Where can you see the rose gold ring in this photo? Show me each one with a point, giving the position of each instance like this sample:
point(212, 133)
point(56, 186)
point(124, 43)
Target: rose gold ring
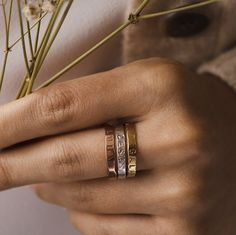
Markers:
point(110, 150)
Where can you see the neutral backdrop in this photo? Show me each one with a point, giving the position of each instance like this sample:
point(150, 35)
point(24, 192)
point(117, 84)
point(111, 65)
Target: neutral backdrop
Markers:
point(21, 213)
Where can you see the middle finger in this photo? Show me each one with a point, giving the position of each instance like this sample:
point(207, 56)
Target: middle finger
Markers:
point(76, 156)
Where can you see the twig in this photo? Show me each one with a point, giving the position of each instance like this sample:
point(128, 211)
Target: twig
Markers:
point(85, 55)
point(133, 18)
point(141, 7)
point(56, 32)
point(6, 47)
point(22, 38)
point(44, 44)
point(25, 33)
point(7, 24)
point(23, 88)
point(37, 35)
point(25, 84)
point(29, 36)
point(178, 9)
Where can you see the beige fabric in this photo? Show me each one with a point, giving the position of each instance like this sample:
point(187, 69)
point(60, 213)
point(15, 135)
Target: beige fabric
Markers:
point(224, 67)
point(213, 50)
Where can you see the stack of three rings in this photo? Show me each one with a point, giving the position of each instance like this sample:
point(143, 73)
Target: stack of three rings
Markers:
point(121, 150)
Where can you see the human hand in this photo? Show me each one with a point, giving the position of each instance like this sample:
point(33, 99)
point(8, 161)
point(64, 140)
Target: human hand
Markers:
point(186, 166)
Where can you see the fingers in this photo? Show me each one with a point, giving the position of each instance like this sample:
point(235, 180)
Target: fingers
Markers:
point(80, 156)
point(70, 157)
point(146, 194)
point(78, 104)
point(90, 224)
point(103, 196)
point(74, 156)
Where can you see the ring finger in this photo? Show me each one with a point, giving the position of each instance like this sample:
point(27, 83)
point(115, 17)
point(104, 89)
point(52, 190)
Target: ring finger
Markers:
point(76, 156)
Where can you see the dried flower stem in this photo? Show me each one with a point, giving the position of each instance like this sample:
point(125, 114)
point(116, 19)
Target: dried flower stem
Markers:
point(3, 69)
point(134, 19)
point(25, 84)
point(7, 41)
point(37, 34)
point(7, 24)
point(25, 33)
point(22, 38)
point(44, 44)
point(141, 7)
point(30, 40)
point(29, 37)
point(85, 55)
point(23, 89)
point(51, 41)
point(179, 9)
point(40, 51)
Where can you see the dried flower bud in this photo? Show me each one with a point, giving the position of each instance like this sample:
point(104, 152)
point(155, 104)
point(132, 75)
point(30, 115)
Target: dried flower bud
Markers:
point(31, 11)
point(48, 6)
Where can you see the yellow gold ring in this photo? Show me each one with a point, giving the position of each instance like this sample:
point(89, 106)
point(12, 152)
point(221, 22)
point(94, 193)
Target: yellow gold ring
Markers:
point(131, 148)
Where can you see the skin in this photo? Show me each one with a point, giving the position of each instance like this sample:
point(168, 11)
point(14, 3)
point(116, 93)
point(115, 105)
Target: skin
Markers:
point(186, 133)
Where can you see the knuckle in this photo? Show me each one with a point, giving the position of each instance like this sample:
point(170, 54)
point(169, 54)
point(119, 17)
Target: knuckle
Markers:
point(83, 198)
point(40, 192)
point(74, 221)
point(102, 228)
point(157, 65)
point(5, 176)
point(165, 73)
point(158, 78)
point(56, 105)
point(68, 161)
point(188, 200)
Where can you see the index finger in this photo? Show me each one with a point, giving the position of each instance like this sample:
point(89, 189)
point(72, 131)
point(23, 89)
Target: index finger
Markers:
point(77, 104)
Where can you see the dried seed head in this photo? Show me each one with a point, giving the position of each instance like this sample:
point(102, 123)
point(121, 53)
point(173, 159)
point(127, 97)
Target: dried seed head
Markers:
point(48, 6)
point(32, 10)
